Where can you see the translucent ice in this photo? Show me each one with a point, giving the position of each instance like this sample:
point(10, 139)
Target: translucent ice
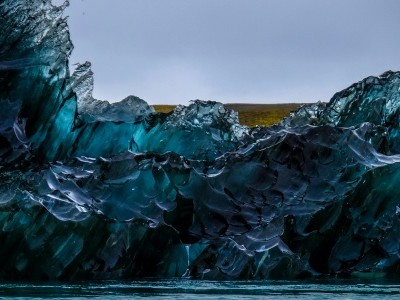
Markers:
point(93, 190)
point(129, 110)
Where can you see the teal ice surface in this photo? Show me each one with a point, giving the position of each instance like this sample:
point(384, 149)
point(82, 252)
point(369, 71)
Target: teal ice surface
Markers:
point(92, 191)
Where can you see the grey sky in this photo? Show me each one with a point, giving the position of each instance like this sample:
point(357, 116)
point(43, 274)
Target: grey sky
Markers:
point(261, 51)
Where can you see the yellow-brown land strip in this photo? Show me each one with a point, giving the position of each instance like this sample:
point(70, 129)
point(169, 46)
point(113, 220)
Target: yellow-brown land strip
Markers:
point(252, 114)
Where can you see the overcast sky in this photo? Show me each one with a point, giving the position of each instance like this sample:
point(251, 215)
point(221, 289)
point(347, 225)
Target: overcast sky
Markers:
point(261, 51)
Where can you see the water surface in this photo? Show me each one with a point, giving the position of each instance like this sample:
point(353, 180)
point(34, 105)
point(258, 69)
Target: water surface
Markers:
point(189, 289)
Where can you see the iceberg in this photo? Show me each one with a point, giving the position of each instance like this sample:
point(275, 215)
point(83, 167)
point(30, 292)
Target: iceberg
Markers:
point(93, 190)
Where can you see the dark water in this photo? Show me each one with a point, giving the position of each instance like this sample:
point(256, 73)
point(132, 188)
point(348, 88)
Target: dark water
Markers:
point(188, 289)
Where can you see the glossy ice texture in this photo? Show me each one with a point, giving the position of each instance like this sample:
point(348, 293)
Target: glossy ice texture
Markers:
point(92, 190)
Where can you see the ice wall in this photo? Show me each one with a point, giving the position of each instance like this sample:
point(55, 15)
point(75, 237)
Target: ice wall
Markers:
point(92, 190)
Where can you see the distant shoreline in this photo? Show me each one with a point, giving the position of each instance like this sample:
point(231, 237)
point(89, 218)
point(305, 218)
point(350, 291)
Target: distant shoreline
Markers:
point(250, 114)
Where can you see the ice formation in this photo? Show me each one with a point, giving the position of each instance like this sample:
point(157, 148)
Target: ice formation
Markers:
point(131, 109)
point(92, 190)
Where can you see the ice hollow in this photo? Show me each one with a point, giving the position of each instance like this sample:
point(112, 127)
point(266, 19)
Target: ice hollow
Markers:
point(93, 190)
